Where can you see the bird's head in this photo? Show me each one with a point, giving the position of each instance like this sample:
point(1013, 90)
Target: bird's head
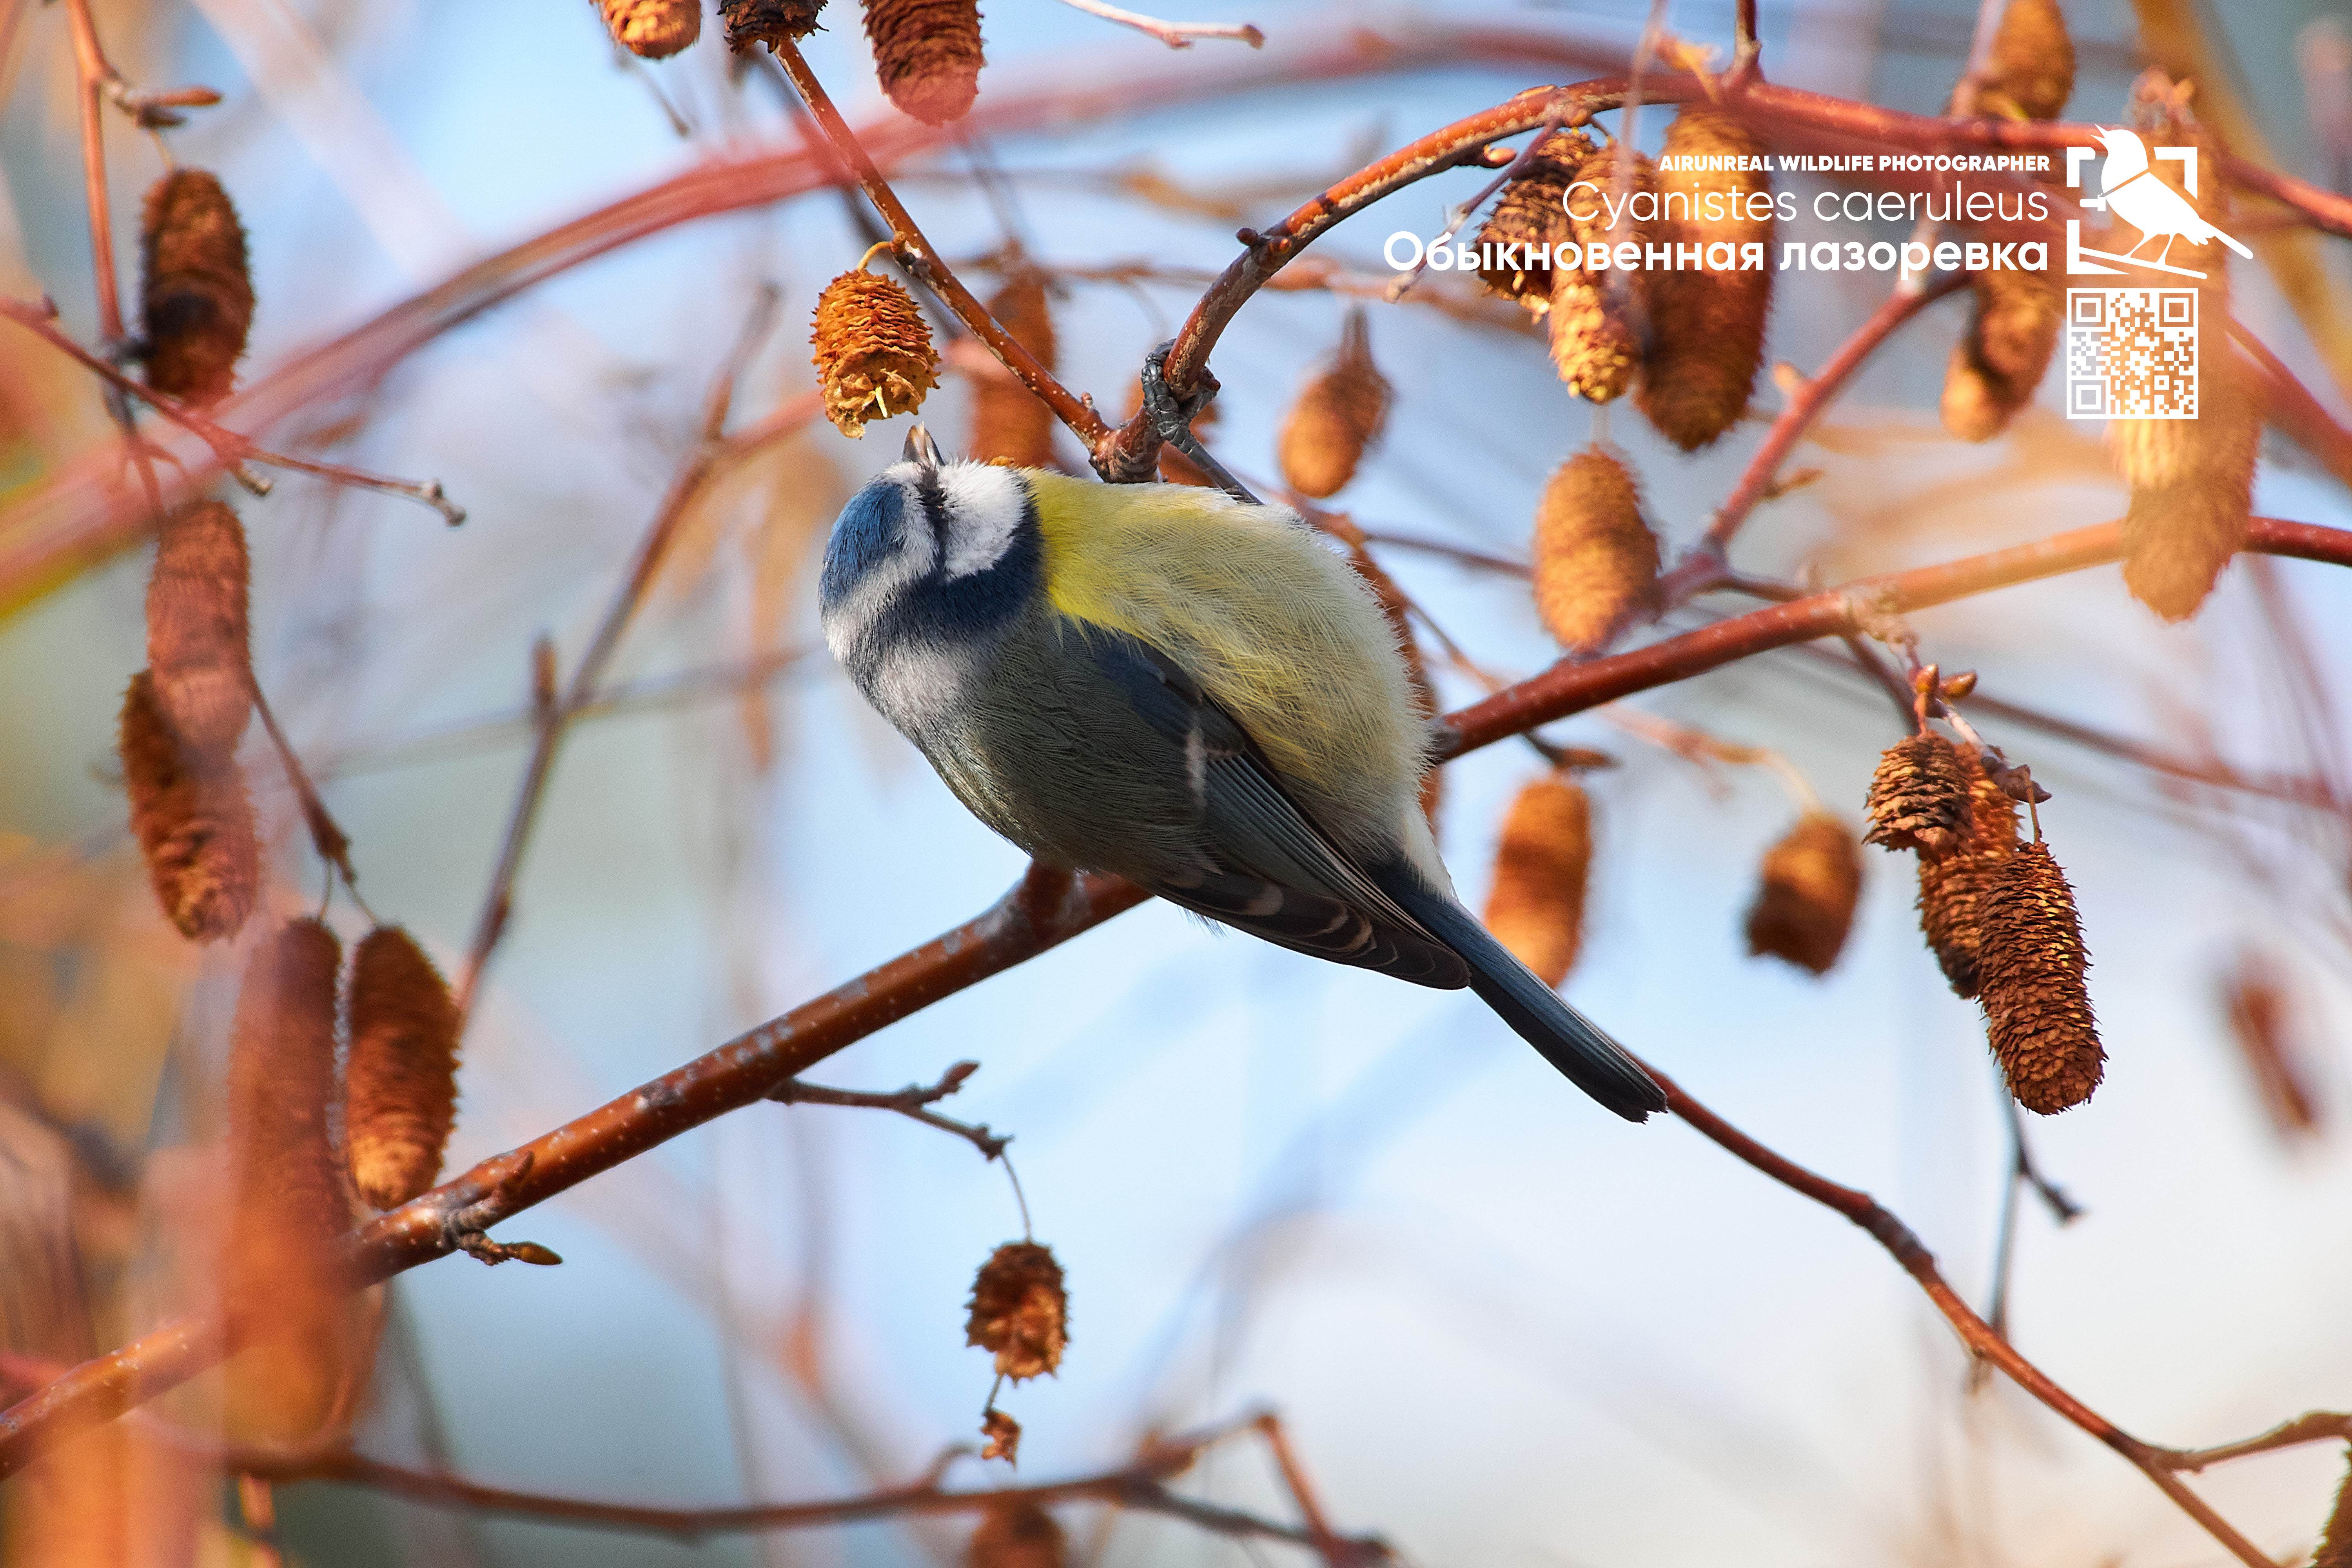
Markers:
point(2126, 153)
point(945, 552)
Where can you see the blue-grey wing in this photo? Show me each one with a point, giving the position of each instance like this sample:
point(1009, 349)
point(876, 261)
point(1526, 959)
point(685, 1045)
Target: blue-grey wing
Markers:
point(1268, 870)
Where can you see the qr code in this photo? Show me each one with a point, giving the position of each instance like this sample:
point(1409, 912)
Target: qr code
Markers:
point(2131, 354)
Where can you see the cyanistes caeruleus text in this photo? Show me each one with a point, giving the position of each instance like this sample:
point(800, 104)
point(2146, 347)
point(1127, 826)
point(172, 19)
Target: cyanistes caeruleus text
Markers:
point(1162, 682)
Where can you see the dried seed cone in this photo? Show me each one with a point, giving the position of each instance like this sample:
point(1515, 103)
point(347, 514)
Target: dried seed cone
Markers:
point(1953, 891)
point(2032, 66)
point(1804, 903)
point(1536, 905)
point(1918, 798)
point(1996, 365)
point(401, 1084)
point(1596, 341)
point(1531, 212)
point(1596, 562)
point(2037, 1008)
point(2335, 1540)
point(1707, 326)
point(769, 22)
point(652, 29)
point(196, 296)
point(287, 1193)
point(1337, 418)
point(2255, 999)
point(927, 54)
point(1009, 424)
point(1015, 1534)
point(194, 826)
point(873, 351)
point(197, 652)
point(1020, 1311)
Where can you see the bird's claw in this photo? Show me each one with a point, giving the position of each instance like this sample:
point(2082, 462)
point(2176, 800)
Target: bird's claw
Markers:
point(1172, 417)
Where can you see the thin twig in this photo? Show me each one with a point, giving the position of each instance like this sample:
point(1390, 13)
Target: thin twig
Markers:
point(1454, 220)
point(914, 1102)
point(1175, 35)
point(1329, 1544)
point(91, 72)
point(2313, 1426)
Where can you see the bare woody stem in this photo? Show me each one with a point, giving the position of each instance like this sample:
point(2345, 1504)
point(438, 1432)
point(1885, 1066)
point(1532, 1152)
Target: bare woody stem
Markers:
point(919, 256)
point(91, 73)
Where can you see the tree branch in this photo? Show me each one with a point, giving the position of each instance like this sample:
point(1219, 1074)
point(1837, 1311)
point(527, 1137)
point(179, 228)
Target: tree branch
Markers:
point(914, 1102)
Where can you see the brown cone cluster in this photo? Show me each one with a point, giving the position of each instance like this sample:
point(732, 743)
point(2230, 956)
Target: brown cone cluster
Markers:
point(2031, 969)
point(1594, 321)
point(1002, 1434)
point(2191, 479)
point(1804, 903)
point(195, 294)
point(873, 351)
point(1596, 562)
point(927, 54)
point(1531, 212)
point(1999, 361)
point(1020, 1312)
point(1337, 418)
point(1707, 326)
point(652, 29)
point(1918, 798)
point(1536, 906)
point(197, 648)
point(769, 22)
point(400, 1084)
point(1016, 1533)
point(1953, 891)
point(2032, 64)
point(284, 1184)
point(193, 824)
point(1009, 423)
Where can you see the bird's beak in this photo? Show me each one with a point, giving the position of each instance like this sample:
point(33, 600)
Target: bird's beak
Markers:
point(920, 448)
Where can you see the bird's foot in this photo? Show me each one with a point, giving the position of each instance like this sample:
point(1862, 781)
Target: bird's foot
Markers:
point(1172, 416)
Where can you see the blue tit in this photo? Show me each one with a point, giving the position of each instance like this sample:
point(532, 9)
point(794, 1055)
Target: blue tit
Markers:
point(1194, 693)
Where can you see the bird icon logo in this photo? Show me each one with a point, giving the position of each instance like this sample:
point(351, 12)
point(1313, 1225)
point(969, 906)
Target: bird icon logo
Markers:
point(2129, 189)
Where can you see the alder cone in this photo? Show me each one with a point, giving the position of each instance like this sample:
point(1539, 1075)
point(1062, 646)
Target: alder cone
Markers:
point(769, 22)
point(1999, 361)
point(1594, 326)
point(872, 349)
point(1016, 1533)
point(197, 650)
point(1337, 418)
point(1002, 1434)
point(195, 826)
point(1805, 899)
point(1020, 1311)
point(2032, 64)
point(2031, 968)
point(1536, 906)
point(1953, 891)
point(1531, 211)
point(288, 1194)
point(1707, 326)
point(195, 294)
point(2255, 1000)
point(1918, 798)
point(401, 1083)
point(1010, 423)
point(927, 54)
point(1596, 562)
point(652, 29)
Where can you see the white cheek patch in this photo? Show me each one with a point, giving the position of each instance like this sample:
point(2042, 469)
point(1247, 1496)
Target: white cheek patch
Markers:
point(985, 504)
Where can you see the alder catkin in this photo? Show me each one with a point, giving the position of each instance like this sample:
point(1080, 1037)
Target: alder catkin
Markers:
point(1596, 562)
point(1596, 343)
point(401, 1083)
point(769, 22)
point(1016, 1533)
point(1918, 798)
point(2255, 1001)
point(1806, 895)
point(1002, 1435)
point(927, 54)
point(1531, 214)
point(287, 1193)
point(2032, 70)
point(1536, 906)
point(1953, 890)
point(652, 29)
point(195, 826)
point(1010, 423)
point(1996, 367)
point(1707, 324)
point(195, 293)
point(2031, 972)
point(1020, 1311)
point(197, 649)
point(872, 349)
point(1338, 418)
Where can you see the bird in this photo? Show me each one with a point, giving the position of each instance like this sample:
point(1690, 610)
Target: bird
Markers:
point(2128, 189)
point(1184, 688)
